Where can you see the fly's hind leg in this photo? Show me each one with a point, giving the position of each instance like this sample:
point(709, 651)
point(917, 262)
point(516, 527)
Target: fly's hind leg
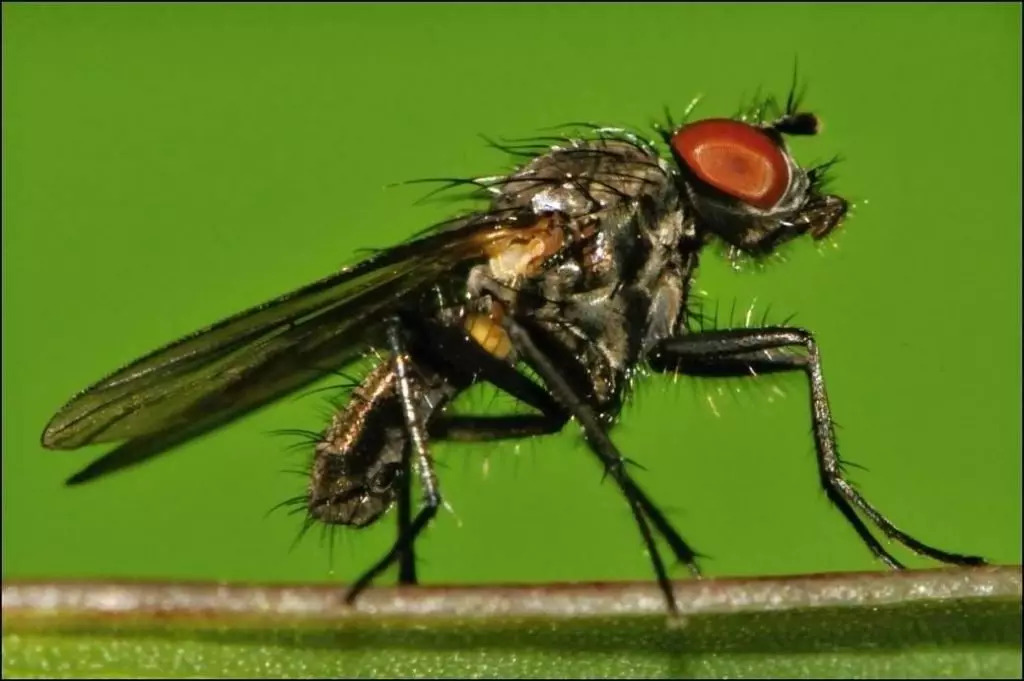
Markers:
point(439, 343)
point(418, 458)
point(555, 404)
point(406, 555)
point(738, 352)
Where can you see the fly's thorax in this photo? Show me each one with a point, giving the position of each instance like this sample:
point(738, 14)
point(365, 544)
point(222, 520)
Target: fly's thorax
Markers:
point(592, 199)
point(669, 294)
point(595, 189)
point(589, 275)
point(584, 177)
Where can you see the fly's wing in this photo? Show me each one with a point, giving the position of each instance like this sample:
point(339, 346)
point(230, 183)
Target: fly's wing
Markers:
point(225, 370)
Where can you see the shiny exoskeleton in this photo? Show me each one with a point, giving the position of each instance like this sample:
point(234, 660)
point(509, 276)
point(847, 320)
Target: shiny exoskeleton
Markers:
point(578, 268)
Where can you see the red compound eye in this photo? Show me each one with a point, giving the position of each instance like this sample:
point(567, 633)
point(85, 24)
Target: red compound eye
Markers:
point(735, 158)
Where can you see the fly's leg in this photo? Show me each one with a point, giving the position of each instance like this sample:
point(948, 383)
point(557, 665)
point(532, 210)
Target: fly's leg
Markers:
point(742, 351)
point(420, 459)
point(475, 364)
point(441, 340)
point(556, 407)
point(407, 555)
point(502, 375)
point(602, 446)
point(486, 428)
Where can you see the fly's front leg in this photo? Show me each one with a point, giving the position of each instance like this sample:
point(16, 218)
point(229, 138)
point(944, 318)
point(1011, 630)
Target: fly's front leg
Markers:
point(420, 460)
point(742, 351)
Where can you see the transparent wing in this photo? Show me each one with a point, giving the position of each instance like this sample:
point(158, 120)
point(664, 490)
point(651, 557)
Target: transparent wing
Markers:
point(268, 351)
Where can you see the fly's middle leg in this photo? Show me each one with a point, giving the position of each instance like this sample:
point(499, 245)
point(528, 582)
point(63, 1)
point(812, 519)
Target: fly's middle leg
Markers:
point(645, 513)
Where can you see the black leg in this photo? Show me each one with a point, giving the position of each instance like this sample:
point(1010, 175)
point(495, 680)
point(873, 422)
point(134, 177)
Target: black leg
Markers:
point(484, 428)
point(421, 460)
point(472, 364)
point(479, 364)
point(476, 364)
point(738, 352)
point(407, 556)
point(605, 449)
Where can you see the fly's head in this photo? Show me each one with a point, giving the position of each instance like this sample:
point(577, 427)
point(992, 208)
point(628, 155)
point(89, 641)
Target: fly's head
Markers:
point(745, 187)
point(350, 487)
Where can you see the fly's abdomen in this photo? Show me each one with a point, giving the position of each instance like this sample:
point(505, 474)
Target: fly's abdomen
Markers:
point(358, 461)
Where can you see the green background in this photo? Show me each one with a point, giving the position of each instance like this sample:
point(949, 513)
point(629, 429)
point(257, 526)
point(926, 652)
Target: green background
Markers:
point(167, 165)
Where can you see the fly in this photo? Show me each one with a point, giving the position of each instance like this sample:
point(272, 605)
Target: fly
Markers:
point(579, 269)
